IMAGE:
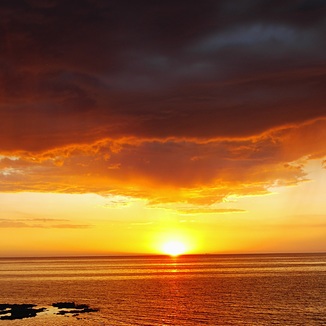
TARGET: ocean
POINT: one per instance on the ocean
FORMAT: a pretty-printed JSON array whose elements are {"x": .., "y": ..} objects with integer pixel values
[{"x": 273, "y": 289}]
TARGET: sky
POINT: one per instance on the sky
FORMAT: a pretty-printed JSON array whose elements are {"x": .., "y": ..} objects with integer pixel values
[{"x": 125, "y": 125}]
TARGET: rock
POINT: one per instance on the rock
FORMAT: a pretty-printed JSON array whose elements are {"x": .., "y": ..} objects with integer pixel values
[
  {"x": 19, "y": 311},
  {"x": 76, "y": 309},
  {"x": 62, "y": 305}
]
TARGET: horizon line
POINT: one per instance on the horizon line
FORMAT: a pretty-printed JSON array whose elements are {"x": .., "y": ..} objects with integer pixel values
[{"x": 116, "y": 255}]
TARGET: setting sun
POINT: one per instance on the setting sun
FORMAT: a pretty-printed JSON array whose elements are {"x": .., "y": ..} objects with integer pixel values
[
  {"x": 174, "y": 248},
  {"x": 151, "y": 179}
]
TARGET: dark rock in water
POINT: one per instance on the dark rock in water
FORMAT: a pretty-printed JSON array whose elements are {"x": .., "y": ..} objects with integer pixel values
[
  {"x": 69, "y": 305},
  {"x": 19, "y": 311},
  {"x": 63, "y": 312},
  {"x": 62, "y": 305},
  {"x": 74, "y": 309},
  {"x": 4, "y": 306},
  {"x": 5, "y": 309}
]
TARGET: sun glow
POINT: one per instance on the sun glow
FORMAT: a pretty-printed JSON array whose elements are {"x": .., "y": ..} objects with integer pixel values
[{"x": 174, "y": 248}]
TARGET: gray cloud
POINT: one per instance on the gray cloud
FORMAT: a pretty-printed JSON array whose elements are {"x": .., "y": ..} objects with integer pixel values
[{"x": 76, "y": 72}]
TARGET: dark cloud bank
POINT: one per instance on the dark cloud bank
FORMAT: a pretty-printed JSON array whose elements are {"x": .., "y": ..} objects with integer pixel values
[
  {"x": 79, "y": 71},
  {"x": 171, "y": 101}
]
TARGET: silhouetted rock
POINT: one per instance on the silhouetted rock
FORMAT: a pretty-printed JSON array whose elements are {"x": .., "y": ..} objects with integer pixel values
[
  {"x": 19, "y": 311},
  {"x": 63, "y": 305},
  {"x": 4, "y": 309},
  {"x": 4, "y": 306},
  {"x": 75, "y": 309}
]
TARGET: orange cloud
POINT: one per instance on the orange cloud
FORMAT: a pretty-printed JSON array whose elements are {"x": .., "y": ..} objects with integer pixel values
[{"x": 171, "y": 170}]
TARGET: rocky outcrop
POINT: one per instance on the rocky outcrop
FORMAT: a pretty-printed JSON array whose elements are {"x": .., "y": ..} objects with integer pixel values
[
  {"x": 19, "y": 311},
  {"x": 73, "y": 308}
]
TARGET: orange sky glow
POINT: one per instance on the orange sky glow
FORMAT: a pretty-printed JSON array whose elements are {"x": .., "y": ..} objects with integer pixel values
[{"x": 138, "y": 133}]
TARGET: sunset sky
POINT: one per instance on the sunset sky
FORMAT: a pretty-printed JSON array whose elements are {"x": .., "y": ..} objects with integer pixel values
[{"x": 128, "y": 124}]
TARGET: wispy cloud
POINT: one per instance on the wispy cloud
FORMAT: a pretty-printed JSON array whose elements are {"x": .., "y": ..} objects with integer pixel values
[
  {"x": 40, "y": 223},
  {"x": 209, "y": 210}
]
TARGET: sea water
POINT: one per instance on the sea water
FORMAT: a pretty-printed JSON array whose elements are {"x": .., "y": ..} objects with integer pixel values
[{"x": 282, "y": 289}]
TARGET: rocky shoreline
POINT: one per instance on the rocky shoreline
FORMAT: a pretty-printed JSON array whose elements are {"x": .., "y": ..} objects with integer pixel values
[{"x": 20, "y": 311}]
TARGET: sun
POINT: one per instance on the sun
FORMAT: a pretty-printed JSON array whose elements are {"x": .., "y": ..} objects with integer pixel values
[{"x": 174, "y": 248}]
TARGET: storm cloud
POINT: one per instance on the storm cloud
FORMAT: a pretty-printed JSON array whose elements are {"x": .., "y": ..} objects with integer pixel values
[{"x": 186, "y": 93}]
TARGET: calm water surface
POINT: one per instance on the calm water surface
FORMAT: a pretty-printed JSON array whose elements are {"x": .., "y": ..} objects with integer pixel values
[{"x": 190, "y": 290}]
